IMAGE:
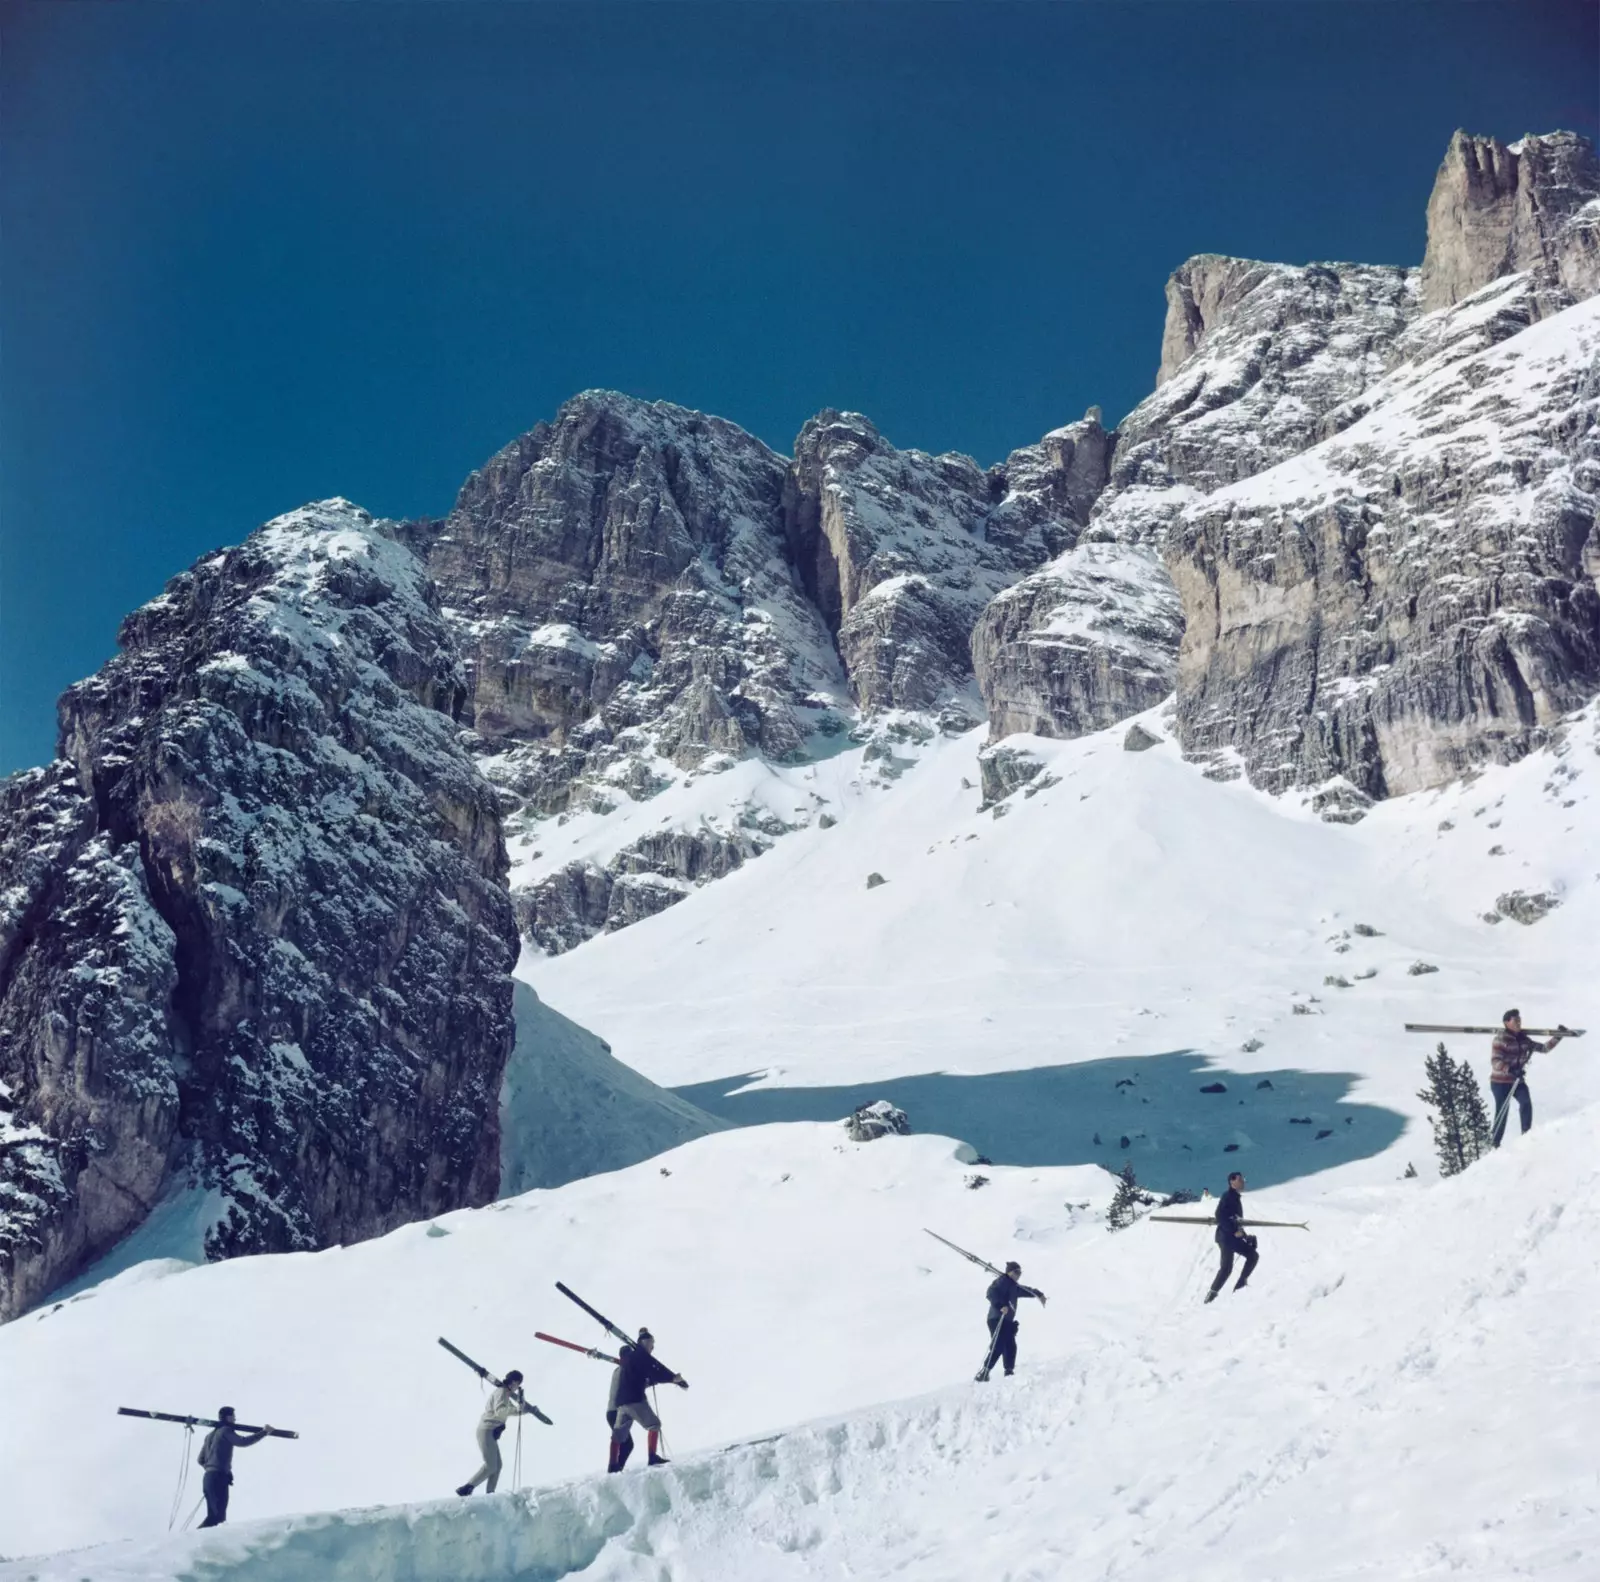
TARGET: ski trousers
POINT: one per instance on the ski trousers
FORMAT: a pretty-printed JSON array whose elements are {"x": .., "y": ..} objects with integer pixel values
[
  {"x": 489, "y": 1447},
  {"x": 1003, "y": 1341},
  {"x": 215, "y": 1485},
  {"x": 631, "y": 1412},
  {"x": 1501, "y": 1092},
  {"x": 1246, "y": 1249}
]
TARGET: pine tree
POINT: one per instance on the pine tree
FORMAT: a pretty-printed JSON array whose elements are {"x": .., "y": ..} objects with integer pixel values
[
  {"x": 1443, "y": 1096},
  {"x": 1125, "y": 1205},
  {"x": 1477, "y": 1143}
]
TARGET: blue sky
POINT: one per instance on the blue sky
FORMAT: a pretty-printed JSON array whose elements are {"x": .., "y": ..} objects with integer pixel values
[{"x": 256, "y": 254}]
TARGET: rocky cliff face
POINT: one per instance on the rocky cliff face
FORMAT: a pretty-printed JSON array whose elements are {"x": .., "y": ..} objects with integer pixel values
[
  {"x": 88, "y": 1045},
  {"x": 270, "y": 920},
  {"x": 901, "y": 550},
  {"x": 619, "y": 584},
  {"x": 1378, "y": 518},
  {"x": 1532, "y": 206},
  {"x": 1414, "y": 595}
]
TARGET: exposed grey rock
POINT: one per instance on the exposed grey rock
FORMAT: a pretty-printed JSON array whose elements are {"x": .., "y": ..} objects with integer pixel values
[
  {"x": 1498, "y": 210},
  {"x": 620, "y": 583},
  {"x": 1409, "y": 598},
  {"x": 1339, "y": 802},
  {"x": 874, "y": 880},
  {"x": 1527, "y": 907},
  {"x": 878, "y": 1119},
  {"x": 1366, "y": 930},
  {"x": 656, "y": 871},
  {"x": 1082, "y": 643},
  {"x": 88, "y": 1050},
  {"x": 1420, "y": 969},
  {"x": 276, "y": 753},
  {"x": 1139, "y": 740},
  {"x": 901, "y": 550},
  {"x": 1003, "y": 769}
]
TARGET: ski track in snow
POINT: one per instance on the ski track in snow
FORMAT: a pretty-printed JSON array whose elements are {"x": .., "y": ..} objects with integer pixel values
[{"x": 1407, "y": 1391}]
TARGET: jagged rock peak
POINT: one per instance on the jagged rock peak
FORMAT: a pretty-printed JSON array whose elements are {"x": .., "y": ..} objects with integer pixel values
[{"x": 1498, "y": 209}]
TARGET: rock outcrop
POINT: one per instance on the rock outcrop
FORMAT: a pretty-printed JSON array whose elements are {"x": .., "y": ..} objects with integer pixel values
[
  {"x": 1499, "y": 209},
  {"x": 89, "y": 1050},
  {"x": 269, "y": 922},
  {"x": 1414, "y": 595},
  {"x": 1084, "y": 642},
  {"x": 901, "y": 550},
  {"x": 618, "y": 581},
  {"x": 1378, "y": 519}
]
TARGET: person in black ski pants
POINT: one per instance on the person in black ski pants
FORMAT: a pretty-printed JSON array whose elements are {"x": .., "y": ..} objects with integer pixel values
[
  {"x": 1232, "y": 1239},
  {"x": 1004, "y": 1292},
  {"x": 637, "y": 1370}
]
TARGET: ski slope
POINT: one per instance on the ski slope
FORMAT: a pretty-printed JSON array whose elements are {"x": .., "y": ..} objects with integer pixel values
[
  {"x": 1408, "y": 1391},
  {"x": 1128, "y": 909},
  {"x": 1404, "y": 1392}
]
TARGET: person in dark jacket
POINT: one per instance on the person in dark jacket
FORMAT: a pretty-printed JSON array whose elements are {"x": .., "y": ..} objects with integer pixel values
[
  {"x": 636, "y": 1371},
  {"x": 1231, "y": 1237},
  {"x": 1004, "y": 1293},
  {"x": 1508, "y": 1065},
  {"x": 216, "y": 1456}
]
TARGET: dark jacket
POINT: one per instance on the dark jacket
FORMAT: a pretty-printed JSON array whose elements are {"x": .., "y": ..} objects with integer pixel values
[
  {"x": 1003, "y": 1293},
  {"x": 1230, "y": 1217},
  {"x": 637, "y": 1370},
  {"x": 216, "y": 1454}
]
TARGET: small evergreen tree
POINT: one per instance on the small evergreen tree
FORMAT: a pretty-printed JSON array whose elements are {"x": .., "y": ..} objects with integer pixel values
[
  {"x": 1125, "y": 1204},
  {"x": 1442, "y": 1096},
  {"x": 1477, "y": 1142},
  {"x": 1460, "y": 1119}
]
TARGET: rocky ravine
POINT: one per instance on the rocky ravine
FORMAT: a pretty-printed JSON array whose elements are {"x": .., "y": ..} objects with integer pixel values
[
  {"x": 256, "y": 918},
  {"x": 1378, "y": 518}
]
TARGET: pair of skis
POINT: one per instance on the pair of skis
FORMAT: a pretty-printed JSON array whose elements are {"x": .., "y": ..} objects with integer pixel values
[
  {"x": 982, "y": 1375},
  {"x": 204, "y": 1422},
  {"x": 483, "y": 1373}
]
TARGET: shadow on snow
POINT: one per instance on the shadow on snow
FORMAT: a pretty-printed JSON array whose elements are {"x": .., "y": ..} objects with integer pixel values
[{"x": 1273, "y": 1125}]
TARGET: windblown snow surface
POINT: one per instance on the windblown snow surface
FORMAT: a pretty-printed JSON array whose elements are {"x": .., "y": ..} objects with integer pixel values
[{"x": 1408, "y": 1389}]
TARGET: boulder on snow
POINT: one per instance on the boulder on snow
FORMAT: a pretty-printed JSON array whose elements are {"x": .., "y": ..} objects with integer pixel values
[
  {"x": 879, "y": 1119},
  {"x": 874, "y": 880},
  {"x": 1139, "y": 740},
  {"x": 1521, "y": 906}
]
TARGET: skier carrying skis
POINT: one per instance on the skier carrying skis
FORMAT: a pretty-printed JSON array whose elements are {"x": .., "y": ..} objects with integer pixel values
[
  {"x": 636, "y": 1371},
  {"x": 1004, "y": 1292},
  {"x": 1508, "y": 1066},
  {"x": 505, "y": 1403},
  {"x": 216, "y": 1456},
  {"x": 1231, "y": 1237}
]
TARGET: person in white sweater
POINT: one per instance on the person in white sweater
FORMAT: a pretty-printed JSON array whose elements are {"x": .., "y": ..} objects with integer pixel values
[{"x": 504, "y": 1403}]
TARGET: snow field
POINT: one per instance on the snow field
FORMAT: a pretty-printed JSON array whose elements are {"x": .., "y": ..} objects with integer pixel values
[
  {"x": 1130, "y": 906},
  {"x": 1404, "y": 1392}
]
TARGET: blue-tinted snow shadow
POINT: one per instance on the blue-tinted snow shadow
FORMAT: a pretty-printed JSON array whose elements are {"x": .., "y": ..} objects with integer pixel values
[{"x": 1148, "y": 1109}]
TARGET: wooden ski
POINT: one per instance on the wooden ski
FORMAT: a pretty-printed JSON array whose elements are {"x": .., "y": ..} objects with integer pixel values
[
  {"x": 572, "y": 1345},
  {"x": 483, "y": 1373},
  {"x": 1536, "y": 1032},
  {"x": 205, "y": 1422},
  {"x": 1185, "y": 1219}
]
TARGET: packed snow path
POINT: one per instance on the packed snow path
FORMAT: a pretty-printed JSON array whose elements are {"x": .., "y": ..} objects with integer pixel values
[{"x": 1409, "y": 1392}]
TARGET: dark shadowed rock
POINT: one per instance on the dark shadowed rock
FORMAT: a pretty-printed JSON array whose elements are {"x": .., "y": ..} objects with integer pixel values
[{"x": 293, "y": 898}]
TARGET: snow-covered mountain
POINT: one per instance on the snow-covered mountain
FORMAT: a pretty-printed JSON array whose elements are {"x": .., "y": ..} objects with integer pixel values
[
  {"x": 259, "y": 920},
  {"x": 1091, "y": 962}
]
